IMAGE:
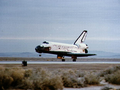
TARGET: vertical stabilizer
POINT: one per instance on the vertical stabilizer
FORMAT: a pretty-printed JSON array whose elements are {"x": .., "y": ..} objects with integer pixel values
[{"x": 81, "y": 38}]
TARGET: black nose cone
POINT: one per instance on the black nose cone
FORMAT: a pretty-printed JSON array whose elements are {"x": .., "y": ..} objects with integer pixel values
[{"x": 37, "y": 49}]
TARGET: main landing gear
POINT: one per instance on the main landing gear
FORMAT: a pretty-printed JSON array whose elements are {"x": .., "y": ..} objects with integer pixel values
[{"x": 74, "y": 59}]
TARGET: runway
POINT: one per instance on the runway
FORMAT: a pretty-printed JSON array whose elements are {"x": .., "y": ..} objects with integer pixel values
[{"x": 58, "y": 62}]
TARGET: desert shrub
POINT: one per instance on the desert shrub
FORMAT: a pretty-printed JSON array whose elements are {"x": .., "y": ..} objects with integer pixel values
[
  {"x": 77, "y": 78},
  {"x": 81, "y": 82},
  {"x": 69, "y": 81},
  {"x": 28, "y": 73},
  {"x": 113, "y": 78},
  {"x": 73, "y": 78},
  {"x": 80, "y": 73},
  {"x": 11, "y": 77},
  {"x": 92, "y": 78},
  {"x": 112, "y": 75},
  {"x": 5, "y": 80},
  {"x": 56, "y": 81},
  {"x": 19, "y": 78},
  {"x": 18, "y": 75},
  {"x": 109, "y": 70},
  {"x": 43, "y": 79},
  {"x": 69, "y": 78},
  {"x": 27, "y": 83}
]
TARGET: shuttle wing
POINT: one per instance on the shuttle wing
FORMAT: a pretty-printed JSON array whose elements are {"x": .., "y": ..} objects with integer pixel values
[
  {"x": 63, "y": 53},
  {"x": 80, "y": 54}
]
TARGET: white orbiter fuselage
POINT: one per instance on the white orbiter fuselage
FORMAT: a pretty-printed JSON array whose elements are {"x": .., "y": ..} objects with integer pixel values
[{"x": 78, "y": 49}]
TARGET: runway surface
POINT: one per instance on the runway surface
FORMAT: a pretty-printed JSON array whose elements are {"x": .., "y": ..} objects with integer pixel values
[{"x": 58, "y": 62}]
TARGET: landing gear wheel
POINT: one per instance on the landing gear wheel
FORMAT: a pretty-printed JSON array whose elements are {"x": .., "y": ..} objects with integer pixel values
[
  {"x": 63, "y": 60},
  {"x": 74, "y": 60},
  {"x": 24, "y": 63}
]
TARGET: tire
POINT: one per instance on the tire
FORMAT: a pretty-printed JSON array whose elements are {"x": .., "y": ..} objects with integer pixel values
[
  {"x": 63, "y": 60},
  {"x": 74, "y": 60}
]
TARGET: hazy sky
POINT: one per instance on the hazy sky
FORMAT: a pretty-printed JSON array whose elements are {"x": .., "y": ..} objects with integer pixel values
[{"x": 24, "y": 24}]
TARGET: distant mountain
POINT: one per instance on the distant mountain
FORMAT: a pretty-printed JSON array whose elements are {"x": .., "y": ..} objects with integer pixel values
[
  {"x": 24, "y": 54},
  {"x": 100, "y": 54},
  {"x": 18, "y": 54}
]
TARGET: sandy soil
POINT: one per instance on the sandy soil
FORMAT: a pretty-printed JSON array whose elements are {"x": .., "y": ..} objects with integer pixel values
[{"x": 87, "y": 67}]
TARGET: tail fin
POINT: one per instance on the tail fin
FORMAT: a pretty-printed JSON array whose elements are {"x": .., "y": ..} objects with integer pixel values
[{"x": 81, "y": 38}]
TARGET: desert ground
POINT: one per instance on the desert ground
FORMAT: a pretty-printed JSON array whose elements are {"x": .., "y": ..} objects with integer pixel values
[
  {"x": 51, "y": 67},
  {"x": 63, "y": 66}
]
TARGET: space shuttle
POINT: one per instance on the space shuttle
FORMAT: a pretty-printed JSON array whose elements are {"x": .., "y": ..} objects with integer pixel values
[{"x": 77, "y": 49}]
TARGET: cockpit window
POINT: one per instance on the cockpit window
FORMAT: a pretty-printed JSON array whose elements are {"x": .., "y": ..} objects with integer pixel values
[{"x": 45, "y": 42}]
